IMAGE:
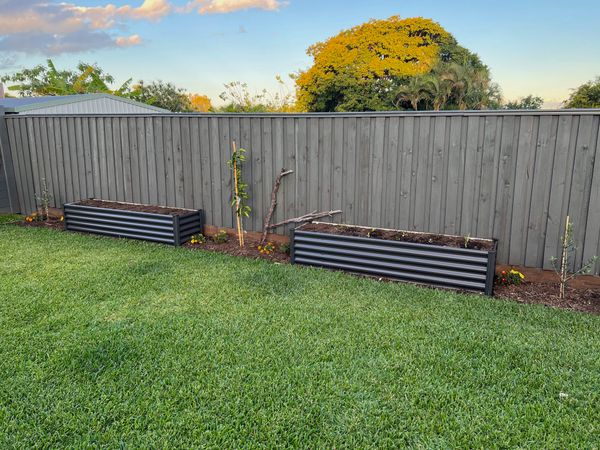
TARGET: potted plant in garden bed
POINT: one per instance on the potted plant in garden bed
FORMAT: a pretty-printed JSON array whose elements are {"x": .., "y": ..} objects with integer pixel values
[
  {"x": 173, "y": 226},
  {"x": 459, "y": 262}
]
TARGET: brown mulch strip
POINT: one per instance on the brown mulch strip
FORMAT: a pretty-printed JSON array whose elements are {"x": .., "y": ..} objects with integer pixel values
[
  {"x": 404, "y": 236},
  {"x": 53, "y": 223},
  {"x": 135, "y": 207},
  {"x": 541, "y": 293},
  {"x": 250, "y": 250},
  {"x": 545, "y": 293}
]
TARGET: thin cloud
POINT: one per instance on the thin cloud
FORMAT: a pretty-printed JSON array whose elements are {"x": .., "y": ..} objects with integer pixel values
[
  {"x": 50, "y": 27},
  {"x": 128, "y": 41},
  {"x": 228, "y": 6},
  {"x": 107, "y": 16},
  {"x": 55, "y": 44}
]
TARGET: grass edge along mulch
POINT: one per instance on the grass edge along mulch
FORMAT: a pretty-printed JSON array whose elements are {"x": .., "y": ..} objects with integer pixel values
[{"x": 542, "y": 293}]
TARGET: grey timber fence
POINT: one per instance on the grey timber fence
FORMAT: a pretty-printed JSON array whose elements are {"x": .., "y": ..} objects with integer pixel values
[{"x": 510, "y": 175}]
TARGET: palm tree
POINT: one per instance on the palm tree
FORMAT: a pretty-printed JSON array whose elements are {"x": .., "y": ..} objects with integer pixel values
[
  {"x": 471, "y": 86},
  {"x": 413, "y": 92},
  {"x": 439, "y": 90}
]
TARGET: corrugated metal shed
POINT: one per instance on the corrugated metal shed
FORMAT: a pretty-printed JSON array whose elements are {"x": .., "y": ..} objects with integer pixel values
[{"x": 77, "y": 104}]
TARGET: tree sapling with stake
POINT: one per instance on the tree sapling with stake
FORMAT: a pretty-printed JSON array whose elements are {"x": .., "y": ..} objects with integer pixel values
[{"x": 240, "y": 193}]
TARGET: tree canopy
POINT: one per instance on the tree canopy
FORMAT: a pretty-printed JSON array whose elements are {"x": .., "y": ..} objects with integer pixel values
[
  {"x": 395, "y": 63},
  {"x": 48, "y": 80},
  {"x": 585, "y": 96},
  {"x": 162, "y": 95},
  {"x": 529, "y": 102}
]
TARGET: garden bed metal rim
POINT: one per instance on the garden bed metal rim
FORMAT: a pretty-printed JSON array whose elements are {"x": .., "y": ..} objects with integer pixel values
[
  {"x": 165, "y": 228},
  {"x": 434, "y": 264}
]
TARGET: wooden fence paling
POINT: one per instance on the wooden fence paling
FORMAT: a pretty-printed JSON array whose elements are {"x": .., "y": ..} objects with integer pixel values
[{"x": 510, "y": 175}]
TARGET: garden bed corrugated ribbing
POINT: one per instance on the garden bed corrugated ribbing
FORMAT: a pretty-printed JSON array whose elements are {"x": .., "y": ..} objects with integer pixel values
[
  {"x": 173, "y": 226},
  {"x": 439, "y": 260}
]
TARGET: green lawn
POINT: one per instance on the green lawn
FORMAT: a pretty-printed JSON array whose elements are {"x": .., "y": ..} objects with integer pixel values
[{"x": 110, "y": 343}]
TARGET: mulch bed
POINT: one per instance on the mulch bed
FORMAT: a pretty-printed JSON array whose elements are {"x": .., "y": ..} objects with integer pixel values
[
  {"x": 545, "y": 293},
  {"x": 404, "y": 236},
  {"x": 54, "y": 223},
  {"x": 135, "y": 207},
  {"x": 250, "y": 250},
  {"x": 542, "y": 293}
]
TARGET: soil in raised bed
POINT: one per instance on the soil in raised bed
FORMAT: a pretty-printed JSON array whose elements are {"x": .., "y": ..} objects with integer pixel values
[
  {"x": 135, "y": 207},
  {"x": 404, "y": 236}
]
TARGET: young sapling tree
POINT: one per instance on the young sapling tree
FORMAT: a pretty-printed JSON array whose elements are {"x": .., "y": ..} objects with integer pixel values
[
  {"x": 561, "y": 266},
  {"x": 240, "y": 193},
  {"x": 43, "y": 200}
]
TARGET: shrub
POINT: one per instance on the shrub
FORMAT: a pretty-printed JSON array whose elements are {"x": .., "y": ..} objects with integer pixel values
[
  {"x": 507, "y": 278},
  {"x": 198, "y": 239},
  {"x": 221, "y": 237},
  {"x": 267, "y": 248}
]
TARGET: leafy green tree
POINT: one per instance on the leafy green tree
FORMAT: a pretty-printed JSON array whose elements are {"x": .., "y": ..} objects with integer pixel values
[
  {"x": 529, "y": 102},
  {"x": 585, "y": 96},
  {"x": 162, "y": 95},
  {"x": 394, "y": 64},
  {"x": 48, "y": 80}
]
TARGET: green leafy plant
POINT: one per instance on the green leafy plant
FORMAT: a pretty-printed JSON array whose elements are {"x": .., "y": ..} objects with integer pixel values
[
  {"x": 562, "y": 266},
  {"x": 221, "y": 237},
  {"x": 239, "y": 195},
  {"x": 43, "y": 201},
  {"x": 510, "y": 277},
  {"x": 285, "y": 248},
  {"x": 267, "y": 248},
  {"x": 198, "y": 239}
]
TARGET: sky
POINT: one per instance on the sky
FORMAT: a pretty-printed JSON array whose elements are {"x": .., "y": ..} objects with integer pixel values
[{"x": 540, "y": 47}]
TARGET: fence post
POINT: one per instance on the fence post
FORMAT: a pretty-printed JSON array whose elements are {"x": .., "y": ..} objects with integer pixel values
[{"x": 8, "y": 166}]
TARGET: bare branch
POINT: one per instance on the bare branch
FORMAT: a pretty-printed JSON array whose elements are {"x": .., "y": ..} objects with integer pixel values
[
  {"x": 307, "y": 217},
  {"x": 269, "y": 215}
]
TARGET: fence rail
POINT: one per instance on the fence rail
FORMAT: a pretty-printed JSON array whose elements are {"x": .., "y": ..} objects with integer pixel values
[{"x": 510, "y": 175}]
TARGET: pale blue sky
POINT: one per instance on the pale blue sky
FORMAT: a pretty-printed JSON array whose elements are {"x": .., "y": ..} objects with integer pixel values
[{"x": 532, "y": 46}]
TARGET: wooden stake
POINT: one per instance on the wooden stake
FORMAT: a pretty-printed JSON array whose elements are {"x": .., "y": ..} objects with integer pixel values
[{"x": 564, "y": 260}]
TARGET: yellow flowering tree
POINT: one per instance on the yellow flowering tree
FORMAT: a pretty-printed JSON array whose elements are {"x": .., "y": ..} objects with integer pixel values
[{"x": 362, "y": 68}]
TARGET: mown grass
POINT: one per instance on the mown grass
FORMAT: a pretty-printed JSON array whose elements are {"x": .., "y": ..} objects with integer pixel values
[{"x": 110, "y": 343}]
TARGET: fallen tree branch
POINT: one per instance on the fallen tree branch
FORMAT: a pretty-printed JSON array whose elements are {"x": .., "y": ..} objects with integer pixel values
[
  {"x": 307, "y": 217},
  {"x": 269, "y": 215}
]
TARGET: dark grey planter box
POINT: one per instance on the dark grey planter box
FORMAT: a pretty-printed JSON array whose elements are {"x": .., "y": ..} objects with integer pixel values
[
  {"x": 164, "y": 228},
  {"x": 436, "y": 265}
]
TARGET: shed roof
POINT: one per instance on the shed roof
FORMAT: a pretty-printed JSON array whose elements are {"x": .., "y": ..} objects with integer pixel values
[{"x": 23, "y": 104}]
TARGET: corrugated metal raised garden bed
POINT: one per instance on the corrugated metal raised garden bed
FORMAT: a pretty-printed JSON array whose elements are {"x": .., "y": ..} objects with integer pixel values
[
  {"x": 440, "y": 260},
  {"x": 173, "y": 226}
]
